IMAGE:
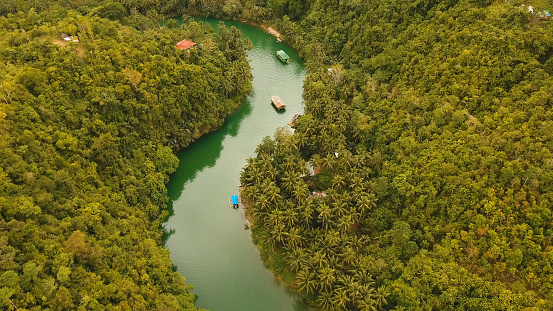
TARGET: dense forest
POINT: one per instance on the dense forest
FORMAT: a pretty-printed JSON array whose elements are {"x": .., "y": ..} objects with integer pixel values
[
  {"x": 420, "y": 177},
  {"x": 88, "y": 131}
]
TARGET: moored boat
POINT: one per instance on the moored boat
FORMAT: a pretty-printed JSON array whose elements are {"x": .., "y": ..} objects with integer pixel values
[
  {"x": 277, "y": 102},
  {"x": 234, "y": 201},
  {"x": 283, "y": 56}
]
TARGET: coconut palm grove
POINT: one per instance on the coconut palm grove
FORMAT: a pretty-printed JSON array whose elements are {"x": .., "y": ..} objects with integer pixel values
[{"x": 420, "y": 176}]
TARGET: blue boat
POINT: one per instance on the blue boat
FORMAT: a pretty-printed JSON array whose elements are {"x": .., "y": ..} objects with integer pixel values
[{"x": 235, "y": 203}]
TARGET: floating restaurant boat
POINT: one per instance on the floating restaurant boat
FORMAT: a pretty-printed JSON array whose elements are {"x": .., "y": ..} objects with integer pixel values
[
  {"x": 234, "y": 201},
  {"x": 283, "y": 56},
  {"x": 277, "y": 102}
]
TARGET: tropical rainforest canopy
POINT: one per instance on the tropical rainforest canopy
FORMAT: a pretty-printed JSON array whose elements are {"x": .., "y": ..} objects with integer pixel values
[
  {"x": 88, "y": 131},
  {"x": 427, "y": 131}
]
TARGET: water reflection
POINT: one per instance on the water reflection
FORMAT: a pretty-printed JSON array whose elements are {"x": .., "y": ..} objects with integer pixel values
[{"x": 204, "y": 153}]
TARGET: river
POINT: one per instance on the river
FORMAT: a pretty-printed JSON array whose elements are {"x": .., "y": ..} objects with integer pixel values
[{"x": 208, "y": 241}]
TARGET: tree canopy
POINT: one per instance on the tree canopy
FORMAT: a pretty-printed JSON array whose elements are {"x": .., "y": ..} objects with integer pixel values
[
  {"x": 89, "y": 127},
  {"x": 426, "y": 131}
]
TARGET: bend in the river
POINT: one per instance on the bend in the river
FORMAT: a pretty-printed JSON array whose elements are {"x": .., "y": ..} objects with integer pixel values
[{"x": 208, "y": 241}]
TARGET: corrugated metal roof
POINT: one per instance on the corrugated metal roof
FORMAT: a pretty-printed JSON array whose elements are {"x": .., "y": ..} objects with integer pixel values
[{"x": 185, "y": 44}]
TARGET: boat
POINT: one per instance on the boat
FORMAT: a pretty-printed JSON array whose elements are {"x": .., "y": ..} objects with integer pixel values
[
  {"x": 294, "y": 119},
  {"x": 234, "y": 201},
  {"x": 277, "y": 102},
  {"x": 283, "y": 56}
]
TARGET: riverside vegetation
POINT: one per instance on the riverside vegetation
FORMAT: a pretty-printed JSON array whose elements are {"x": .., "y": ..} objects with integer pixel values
[
  {"x": 88, "y": 135},
  {"x": 429, "y": 126},
  {"x": 432, "y": 134}
]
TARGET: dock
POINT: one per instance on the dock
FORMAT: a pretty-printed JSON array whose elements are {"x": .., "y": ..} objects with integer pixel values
[
  {"x": 294, "y": 119},
  {"x": 277, "y": 102}
]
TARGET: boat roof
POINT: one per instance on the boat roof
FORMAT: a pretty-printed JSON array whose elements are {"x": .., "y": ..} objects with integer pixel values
[{"x": 283, "y": 54}]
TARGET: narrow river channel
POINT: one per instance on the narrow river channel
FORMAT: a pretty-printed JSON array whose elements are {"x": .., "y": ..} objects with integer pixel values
[{"x": 208, "y": 242}]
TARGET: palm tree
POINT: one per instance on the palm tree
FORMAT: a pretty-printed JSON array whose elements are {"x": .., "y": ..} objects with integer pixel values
[
  {"x": 290, "y": 216},
  {"x": 363, "y": 277},
  {"x": 340, "y": 298},
  {"x": 364, "y": 205},
  {"x": 256, "y": 175},
  {"x": 345, "y": 223},
  {"x": 301, "y": 139},
  {"x": 339, "y": 181},
  {"x": 307, "y": 214},
  {"x": 341, "y": 124},
  {"x": 272, "y": 191},
  {"x": 266, "y": 166},
  {"x": 305, "y": 281},
  {"x": 341, "y": 207},
  {"x": 288, "y": 180},
  {"x": 251, "y": 193},
  {"x": 300, "y": 191},
  {"x": 380, "y": 296},
  {"x": 276, "y": 218},
  {"x": 318, "y": 260},
  {"x": 367, "y": 304},
  {"x": 367, "y": 202},
  {"x": 325, "y": 245},
  {"x": 279, "y": 233},
  {"x": 333, "y": 237},
  {"x": 324, "y": 215},
  {"x": 266, "y": 239},
  {"x": 359, "y": 160},
  {"x": 263, "y": 202},
  {"x": 326, "y": 277},
  {"x": 325, "y": 301},
  {"x": 348, "y": 255},
  {"x": 354, "y": 290},
  {"x": 296, "y": 259},
  {"x": 295, "y": 239},
  {"x": 329, "y": 160},
  {"x": 316, "y": 160}
]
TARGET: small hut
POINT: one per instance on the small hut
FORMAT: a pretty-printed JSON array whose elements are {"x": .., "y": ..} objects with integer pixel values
[
  {"x": 185, "y": 44},
  {"x": 69, "y": 38}
]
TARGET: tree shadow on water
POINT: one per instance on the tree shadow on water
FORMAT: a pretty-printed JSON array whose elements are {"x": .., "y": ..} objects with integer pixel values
[
  {"x": 165, "y": 236},
  {"x": 201, "y": 154},
  {"x": 204, "y": 152}
]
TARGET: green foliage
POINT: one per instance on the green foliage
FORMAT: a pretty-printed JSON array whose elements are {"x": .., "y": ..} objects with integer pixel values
[
  {"x": 431, "y": 134},
  {"x": 88, "y": 135},
  {"x": 111, "y": 10}
]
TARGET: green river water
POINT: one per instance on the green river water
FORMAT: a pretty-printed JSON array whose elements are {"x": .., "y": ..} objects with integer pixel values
[{"x": 207, "y": 239}]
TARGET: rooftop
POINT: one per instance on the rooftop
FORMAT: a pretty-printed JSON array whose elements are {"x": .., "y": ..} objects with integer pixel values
[{"x": 185, "y": 44}]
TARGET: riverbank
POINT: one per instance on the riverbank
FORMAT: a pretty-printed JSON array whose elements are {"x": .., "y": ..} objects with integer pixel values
[
  {"x": 268, "y": 29},
  {"x": 271, "y": 257},
  {"x": 208, "y": 242}
]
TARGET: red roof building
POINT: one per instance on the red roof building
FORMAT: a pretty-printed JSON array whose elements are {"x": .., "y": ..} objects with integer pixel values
[{"x": 185, "y": 44}]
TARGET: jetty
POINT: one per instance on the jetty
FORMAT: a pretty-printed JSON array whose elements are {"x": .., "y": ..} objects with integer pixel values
[
  {"x": 294, "y": 119},
  {"x": 277, "y": 102}
]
